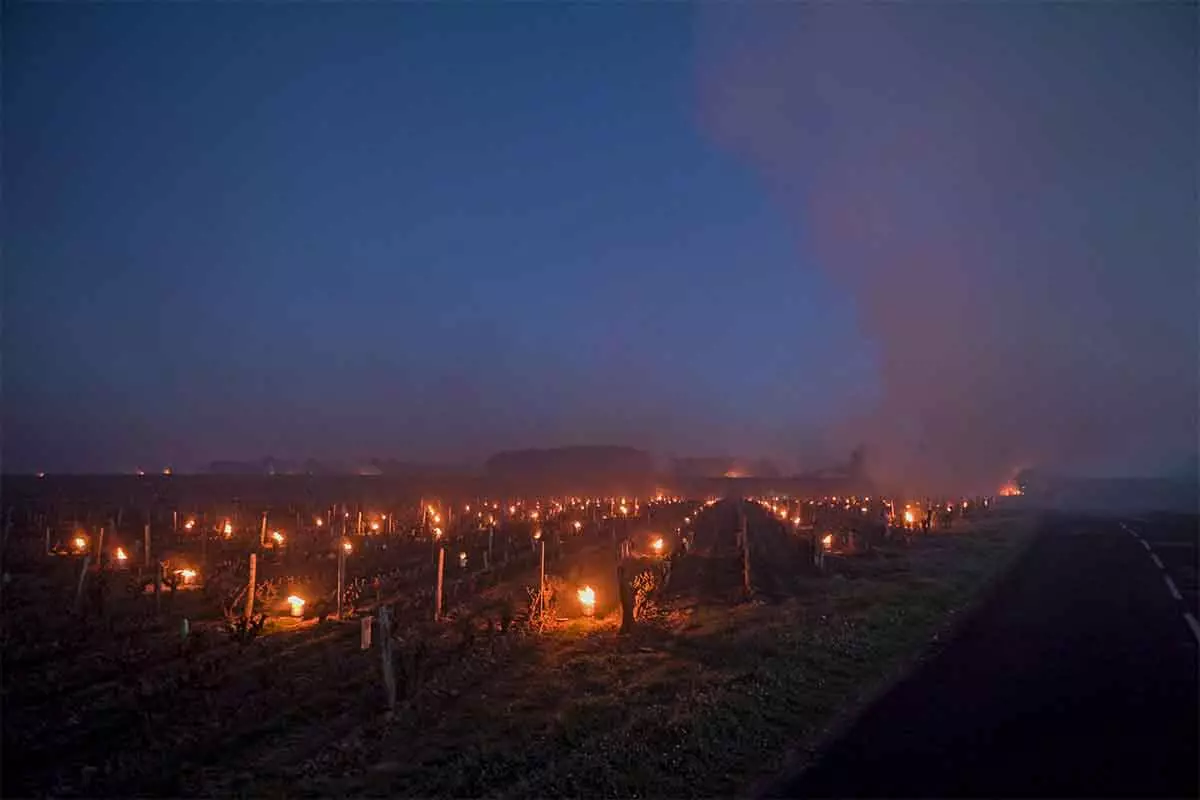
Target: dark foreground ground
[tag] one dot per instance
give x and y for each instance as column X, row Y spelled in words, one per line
column 1078, row 677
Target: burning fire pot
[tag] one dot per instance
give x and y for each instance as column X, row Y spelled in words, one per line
column 587, row 600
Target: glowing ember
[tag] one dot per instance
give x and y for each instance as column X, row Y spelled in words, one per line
column 437, row 519
column 533, row 515
column 587, row 599
column 577, row 525
column 191, row 523
column 80, row 542
column 462, row 560
column 188, row 575
column 277, row 536
column 121, row 554
column 297, row 604
column 374, row 526
column 347, row 547
column 228, row 529
column 624, row 509
column 437, row 533
column 828, row 541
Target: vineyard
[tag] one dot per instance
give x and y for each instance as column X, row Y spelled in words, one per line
column 121, row 679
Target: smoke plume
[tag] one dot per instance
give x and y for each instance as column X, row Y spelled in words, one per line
column 1008, row 192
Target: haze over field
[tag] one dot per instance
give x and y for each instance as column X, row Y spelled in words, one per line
column 960, row 235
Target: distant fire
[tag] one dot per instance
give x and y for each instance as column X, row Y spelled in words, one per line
column 191, row 523
column 122, row 555
column 188, row 575
column 587, row 599
column 227, row 529
column 297, row 604
column 80, row 542
column 828, row 541
column 909, row 518
column 1010, row 490
column 277, row 536
column 657, row 544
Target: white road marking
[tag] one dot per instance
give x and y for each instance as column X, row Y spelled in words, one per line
column 1195, row 626
column 1172, row 587
column 1157, row 561
column 1145, row 544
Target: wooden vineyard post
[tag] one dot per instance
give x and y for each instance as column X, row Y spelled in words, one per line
column 746, row 586
column 47, row 540
column 385, row 651
column 625, row 592
column 341, row 582
column 542, row 578
column 175, row 521
column 204, row 534
column 87, row 560
column 100, row 547
column 359, row 528
column 146, row 544
column 437, row 608
column 250, row 584
column 262, row 536
column 491, row 535
column 158, row 582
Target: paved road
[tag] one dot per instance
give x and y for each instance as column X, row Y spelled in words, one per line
column 1077, row 678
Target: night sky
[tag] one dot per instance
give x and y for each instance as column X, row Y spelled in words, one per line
column 964, row 236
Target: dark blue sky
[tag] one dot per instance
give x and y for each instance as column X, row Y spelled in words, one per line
column 430, row 232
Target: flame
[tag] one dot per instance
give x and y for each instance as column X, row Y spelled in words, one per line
column 80, row 542
column 191, row 523
column 188, row 575
column 1010, row 490
column 828, row 541
column 347, row 547
column 909, row 518
column 121, row 554
column 624, row 509
column 228, row 529
column 374, row 526
column 320, row 522
column 277, row 536
column 657, row 544
column 577, row 525
column 587, row 599
column 297, row 604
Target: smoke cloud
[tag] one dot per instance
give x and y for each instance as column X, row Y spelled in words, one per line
column 1008, row 192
